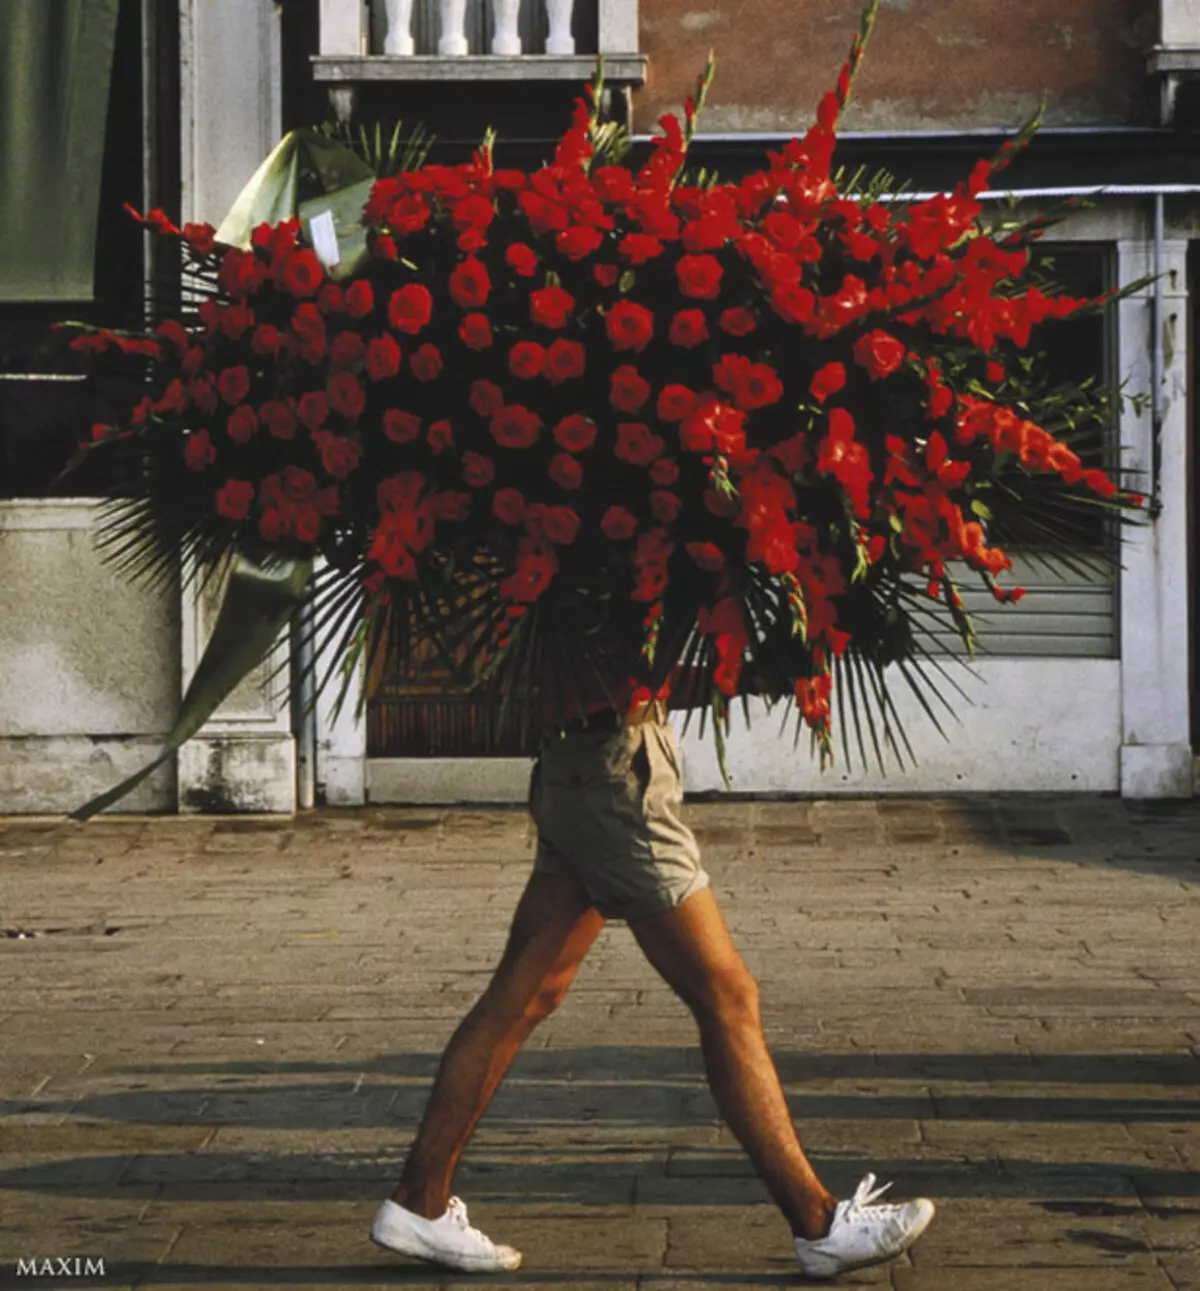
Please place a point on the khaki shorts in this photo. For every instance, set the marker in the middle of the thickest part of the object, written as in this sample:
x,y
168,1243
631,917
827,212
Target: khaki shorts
x,y
606,805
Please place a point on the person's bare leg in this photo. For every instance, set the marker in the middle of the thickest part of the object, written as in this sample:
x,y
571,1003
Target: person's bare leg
x,y
553,928
691,948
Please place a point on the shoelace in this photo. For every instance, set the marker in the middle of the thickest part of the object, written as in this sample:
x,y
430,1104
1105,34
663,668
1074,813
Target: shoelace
x,y
866,1197
457,1210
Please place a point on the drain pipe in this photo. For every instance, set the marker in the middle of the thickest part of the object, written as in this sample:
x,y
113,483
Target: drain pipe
x,y
1157,322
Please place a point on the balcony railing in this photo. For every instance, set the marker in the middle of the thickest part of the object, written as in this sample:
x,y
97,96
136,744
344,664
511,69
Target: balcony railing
x,y
371,40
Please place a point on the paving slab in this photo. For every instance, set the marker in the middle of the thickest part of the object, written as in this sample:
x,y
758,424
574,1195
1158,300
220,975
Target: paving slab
x,y
217,1036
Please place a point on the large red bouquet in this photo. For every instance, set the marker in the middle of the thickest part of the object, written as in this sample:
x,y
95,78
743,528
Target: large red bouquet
x,y
582,426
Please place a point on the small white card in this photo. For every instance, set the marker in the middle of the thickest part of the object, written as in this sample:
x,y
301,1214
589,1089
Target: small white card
x,y
323,232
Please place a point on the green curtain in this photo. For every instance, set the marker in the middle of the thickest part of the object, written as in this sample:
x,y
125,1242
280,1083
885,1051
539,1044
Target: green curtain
x,y
56,59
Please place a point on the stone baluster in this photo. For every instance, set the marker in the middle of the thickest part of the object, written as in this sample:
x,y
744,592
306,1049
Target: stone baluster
x,y
505,38
452,42
559,40
399,28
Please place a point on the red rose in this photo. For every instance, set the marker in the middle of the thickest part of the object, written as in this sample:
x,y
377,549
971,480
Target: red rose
x,y
665,506
238,274
384,247
339,455
605,274
383,358
347,349
475,332
793,304
478,471
578,242
688,329
508,505
575,433
313,409
551,307
759,387
198,450
266,339
564,360
175,334
993,371
234,498
514,426
474,212
278,418
359,299
486,398
329,299
738,321
401,427
450,506
200,238
346,396
470,284
675,402
425,362
826,381
628,389
618,524
242,424
233,385
298,484
526,360
636,445
638,248
664,471
706,556
629,326
410,308
440,435
521,260
565,471
300,274
699,276
880,353
562,525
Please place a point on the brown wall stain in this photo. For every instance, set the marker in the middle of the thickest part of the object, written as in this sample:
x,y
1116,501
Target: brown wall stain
x,y
931,64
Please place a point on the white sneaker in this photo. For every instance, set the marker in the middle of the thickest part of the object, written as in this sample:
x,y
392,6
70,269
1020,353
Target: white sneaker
x,y
864,1233
449,1241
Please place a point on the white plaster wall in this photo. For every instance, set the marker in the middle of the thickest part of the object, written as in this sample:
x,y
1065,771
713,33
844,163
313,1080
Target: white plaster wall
x,y
89,665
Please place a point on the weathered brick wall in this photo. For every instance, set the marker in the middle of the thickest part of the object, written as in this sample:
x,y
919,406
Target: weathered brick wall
x,y
932,64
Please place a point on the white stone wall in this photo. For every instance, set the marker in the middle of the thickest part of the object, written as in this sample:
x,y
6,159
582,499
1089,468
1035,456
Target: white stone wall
x,y
89,666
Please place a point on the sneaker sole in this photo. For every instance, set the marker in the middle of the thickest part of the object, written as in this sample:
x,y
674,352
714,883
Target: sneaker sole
x,y
464,1264
913,1235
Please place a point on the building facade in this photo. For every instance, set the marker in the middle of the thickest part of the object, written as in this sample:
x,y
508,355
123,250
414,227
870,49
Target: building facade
x,y
1087,685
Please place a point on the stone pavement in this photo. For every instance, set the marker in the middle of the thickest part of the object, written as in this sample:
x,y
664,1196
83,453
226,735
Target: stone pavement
x,y
217,1035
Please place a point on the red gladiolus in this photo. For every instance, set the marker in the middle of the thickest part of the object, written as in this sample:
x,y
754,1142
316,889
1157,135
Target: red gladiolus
x,y
486,398
618,524
565,471
508,506
699,276
526,360
440,435
629,326
359,299
551,307
521,260
426,362
688,329
233,385
313,408
706,556
278,418
383,358
636,445
198,450
401,427
826,381
300,273
470,284
575,433
242,424
880,353
478,471
475,332
410,308
564,361
514,426
346,396
234,498
628,389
